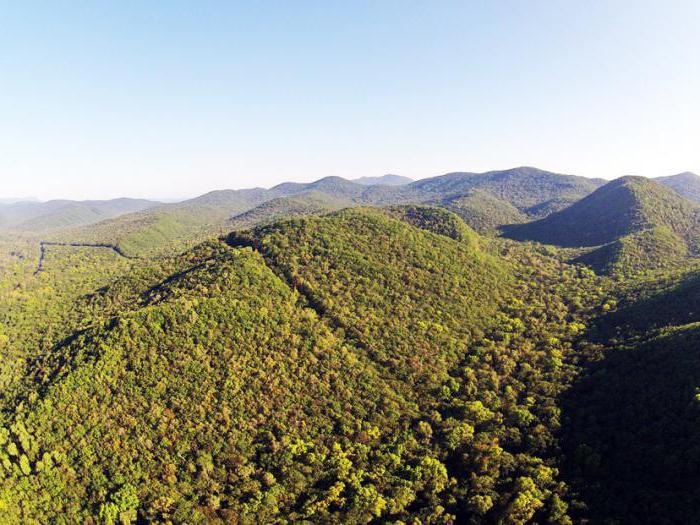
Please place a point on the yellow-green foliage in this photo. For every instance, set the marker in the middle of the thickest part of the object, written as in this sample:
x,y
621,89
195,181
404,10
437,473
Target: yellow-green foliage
x,y
363,366
640,252
413,299
484,212
436,220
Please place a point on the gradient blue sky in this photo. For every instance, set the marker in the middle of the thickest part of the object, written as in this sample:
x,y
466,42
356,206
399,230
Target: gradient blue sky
x,y
172,99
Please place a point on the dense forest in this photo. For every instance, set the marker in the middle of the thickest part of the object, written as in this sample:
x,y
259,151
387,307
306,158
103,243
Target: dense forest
x,y
511,347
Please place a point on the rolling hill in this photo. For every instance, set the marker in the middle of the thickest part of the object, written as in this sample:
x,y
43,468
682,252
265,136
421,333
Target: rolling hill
x,y
386,180
651,249
635,223
484,201
169,227
310,203
44,216
483,211
148,227
524,188
625,206
686,184
205,422
436,220
344,368
372,364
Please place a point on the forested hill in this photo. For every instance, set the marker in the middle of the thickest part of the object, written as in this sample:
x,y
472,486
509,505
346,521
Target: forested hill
x,y
525,188
370,364
484,200
346,368
621,207
43,216
686,184
639,223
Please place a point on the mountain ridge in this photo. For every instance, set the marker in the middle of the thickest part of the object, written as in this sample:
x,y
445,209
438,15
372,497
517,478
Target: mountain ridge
x,y
686,184
386,180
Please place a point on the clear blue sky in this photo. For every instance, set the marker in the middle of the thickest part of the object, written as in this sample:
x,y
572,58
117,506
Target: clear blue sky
x,y
170,99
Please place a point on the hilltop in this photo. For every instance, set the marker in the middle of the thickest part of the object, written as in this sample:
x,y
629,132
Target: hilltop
x,y
686,184
309,203
525,188
386,180
635,218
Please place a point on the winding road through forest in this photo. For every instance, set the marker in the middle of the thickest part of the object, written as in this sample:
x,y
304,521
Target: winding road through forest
x,y
44,244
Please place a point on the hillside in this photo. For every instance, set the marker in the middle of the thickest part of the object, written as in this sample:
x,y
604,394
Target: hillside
x,y
43,216
524,187
487,200
168,228
671,298
173,392
369,364
483,211
417,311
127,368
686,184
176,227
632,431
655,248
436,220
622,207
350,246
311,203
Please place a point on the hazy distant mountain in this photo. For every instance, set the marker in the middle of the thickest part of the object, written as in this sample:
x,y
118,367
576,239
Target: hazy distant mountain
x,y
55,214
18,199
686,184
386,180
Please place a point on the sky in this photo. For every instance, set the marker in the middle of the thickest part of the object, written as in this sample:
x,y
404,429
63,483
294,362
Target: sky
x,y
172,99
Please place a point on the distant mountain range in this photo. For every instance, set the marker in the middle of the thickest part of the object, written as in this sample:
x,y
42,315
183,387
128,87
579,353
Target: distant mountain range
x,y
523,192
524,203
386,180
56,214
19,199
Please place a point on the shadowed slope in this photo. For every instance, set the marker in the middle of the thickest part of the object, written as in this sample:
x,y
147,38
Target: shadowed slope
x,y
621,207
633,429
